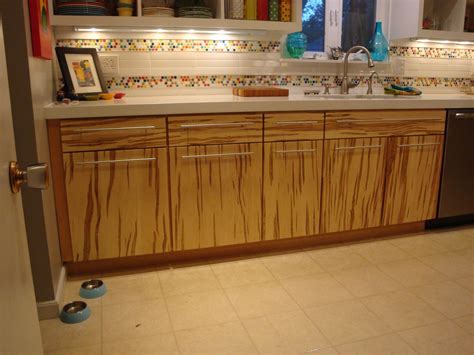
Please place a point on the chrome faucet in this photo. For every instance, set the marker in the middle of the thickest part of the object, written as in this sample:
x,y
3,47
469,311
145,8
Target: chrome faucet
x,y
345,86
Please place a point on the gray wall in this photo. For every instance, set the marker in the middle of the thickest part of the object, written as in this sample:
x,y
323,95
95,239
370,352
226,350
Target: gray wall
x,y
31,87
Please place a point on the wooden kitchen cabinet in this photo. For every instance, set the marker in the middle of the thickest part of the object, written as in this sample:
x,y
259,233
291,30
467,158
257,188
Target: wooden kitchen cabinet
x,y
117,202
292,189
216,195
413,178
353,184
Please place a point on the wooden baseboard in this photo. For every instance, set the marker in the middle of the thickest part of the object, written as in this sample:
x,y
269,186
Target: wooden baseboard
x,y
235,251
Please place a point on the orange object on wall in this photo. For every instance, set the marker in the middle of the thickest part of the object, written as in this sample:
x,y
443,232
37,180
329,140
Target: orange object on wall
x,y
41,37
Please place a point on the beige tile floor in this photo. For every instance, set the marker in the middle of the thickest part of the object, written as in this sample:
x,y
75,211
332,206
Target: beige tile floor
x,y
407,295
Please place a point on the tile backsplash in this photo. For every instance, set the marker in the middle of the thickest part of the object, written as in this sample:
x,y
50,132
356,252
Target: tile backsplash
x,y
150,66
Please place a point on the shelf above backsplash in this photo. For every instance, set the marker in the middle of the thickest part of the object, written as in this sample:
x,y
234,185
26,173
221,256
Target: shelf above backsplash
x,y
219,22
138,22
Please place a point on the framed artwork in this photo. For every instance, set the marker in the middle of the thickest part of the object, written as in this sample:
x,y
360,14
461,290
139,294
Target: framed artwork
x,y
81,72
41,37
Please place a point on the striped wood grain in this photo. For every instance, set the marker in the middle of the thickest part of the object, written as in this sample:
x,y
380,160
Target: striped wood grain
x,y
383,123
216,201
413,178
215,129
292,189
117,209
113,133
291,126
353,183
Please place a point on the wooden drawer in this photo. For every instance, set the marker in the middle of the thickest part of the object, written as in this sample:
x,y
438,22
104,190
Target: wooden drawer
x,y
215,129
353,124
291,126
112,133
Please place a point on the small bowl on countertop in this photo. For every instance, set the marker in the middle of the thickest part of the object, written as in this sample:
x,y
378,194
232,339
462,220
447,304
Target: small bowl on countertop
x,y
119,95
107,96
91,97
75,312
92,289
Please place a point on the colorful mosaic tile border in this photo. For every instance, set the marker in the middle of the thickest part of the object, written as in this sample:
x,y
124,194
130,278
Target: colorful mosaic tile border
x,y
172,45
433,53
205,45
221,81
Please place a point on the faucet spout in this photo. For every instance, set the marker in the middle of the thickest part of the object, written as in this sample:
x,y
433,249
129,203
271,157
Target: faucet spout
x,y
370,63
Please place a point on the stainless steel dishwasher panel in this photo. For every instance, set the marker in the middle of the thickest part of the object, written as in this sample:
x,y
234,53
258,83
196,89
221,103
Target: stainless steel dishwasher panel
x,y
457,181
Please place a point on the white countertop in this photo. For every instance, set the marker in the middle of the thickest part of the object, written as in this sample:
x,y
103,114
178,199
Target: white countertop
x,y
178,105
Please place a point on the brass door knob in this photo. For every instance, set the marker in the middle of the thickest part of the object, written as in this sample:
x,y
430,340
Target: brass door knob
x,y
35,176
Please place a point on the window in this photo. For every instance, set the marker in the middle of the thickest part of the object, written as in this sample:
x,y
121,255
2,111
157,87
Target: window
x,y
338,23
313,24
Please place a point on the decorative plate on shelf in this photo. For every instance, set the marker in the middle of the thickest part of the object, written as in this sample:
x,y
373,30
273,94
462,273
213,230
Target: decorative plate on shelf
x,y
158,11
81,7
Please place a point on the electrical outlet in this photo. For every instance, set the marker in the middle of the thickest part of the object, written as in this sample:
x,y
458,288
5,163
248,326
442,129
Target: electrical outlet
x,y
109,64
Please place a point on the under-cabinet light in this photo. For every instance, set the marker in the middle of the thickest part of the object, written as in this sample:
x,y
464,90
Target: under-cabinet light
x,y
168,30
442,41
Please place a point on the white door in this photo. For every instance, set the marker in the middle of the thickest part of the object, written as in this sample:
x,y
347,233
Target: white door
x,y
19,325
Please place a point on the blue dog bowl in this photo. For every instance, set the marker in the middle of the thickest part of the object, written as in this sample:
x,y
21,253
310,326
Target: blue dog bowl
x,y
75,312
92,289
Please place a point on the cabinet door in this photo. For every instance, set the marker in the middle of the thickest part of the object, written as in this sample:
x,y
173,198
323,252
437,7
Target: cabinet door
x,y
117,202
292,188
216,195
353,182
413,177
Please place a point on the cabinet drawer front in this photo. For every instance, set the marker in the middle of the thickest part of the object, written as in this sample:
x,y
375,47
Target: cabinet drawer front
x,y
353,124
215,129
117,203
112,133
294,126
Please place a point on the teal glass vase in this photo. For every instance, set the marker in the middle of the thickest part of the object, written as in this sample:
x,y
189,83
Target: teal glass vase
x,y
296,44
378,45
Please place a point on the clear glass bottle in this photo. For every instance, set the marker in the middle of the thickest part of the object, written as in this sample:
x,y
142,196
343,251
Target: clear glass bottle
x,y
378,45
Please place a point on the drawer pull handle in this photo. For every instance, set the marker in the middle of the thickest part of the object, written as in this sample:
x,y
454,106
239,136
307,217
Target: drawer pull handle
x,y
230,124
112,129
360,147
295,151
388,119
218,155
97,162
297,122
465,115
417,145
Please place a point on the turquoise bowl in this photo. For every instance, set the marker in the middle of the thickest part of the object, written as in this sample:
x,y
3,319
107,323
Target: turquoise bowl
x,y
296,44
75,312
92,289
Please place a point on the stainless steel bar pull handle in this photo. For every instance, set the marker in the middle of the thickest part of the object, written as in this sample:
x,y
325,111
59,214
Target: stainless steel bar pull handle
x,y
96,162
217,155
80,130
297,122
387,119
465,115
295,151
360,147
417,145
228,124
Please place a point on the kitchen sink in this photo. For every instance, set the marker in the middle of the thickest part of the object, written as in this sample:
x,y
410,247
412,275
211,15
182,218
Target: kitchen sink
x,y
358,96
